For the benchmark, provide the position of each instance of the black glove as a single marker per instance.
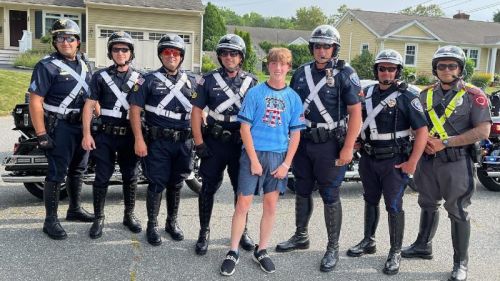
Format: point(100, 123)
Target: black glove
point(202, 151)
point(45, 141)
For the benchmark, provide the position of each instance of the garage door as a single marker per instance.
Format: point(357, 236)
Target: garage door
point(145, 43)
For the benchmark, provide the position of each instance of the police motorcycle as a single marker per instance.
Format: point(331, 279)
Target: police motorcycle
point(352, 174)
point(488, 168)
point(28, 164)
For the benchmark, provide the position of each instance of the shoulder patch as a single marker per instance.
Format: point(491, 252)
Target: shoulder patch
point(480, 100)
point(415, 103)
point(355, 79)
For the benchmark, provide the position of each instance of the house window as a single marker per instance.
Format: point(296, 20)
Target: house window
point(472, 54)
point(51, 18)
point(187, 38)
point(107, 32)
point(136, 34)
point(411, 55)
point(155, 36)
point(364, 47)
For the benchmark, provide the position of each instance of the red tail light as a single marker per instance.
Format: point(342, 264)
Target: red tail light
point(495, 128)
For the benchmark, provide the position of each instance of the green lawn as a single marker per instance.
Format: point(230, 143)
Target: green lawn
point(12, 88)
point(263, 77)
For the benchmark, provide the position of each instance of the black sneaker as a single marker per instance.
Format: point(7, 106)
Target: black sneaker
point(229, 263)
point(262, 258)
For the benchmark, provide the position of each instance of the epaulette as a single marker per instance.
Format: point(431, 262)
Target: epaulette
point(244, 74)
point(473, 90)
point(341, 64)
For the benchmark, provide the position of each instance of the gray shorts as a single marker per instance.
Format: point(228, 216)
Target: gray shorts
point(249, 184)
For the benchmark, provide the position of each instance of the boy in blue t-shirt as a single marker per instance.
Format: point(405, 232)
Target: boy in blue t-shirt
point(271, 119)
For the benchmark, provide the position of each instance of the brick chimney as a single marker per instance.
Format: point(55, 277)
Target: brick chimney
point(461, 16)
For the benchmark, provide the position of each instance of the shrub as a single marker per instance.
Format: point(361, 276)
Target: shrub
point(469, 68)
point(363, 64)
point(207, 64)
point(481, 79)
point(423, 79)
point(30, 58)
point(409, 74)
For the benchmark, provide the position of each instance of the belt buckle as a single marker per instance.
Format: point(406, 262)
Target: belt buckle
point(176, 135)
point(122, 131)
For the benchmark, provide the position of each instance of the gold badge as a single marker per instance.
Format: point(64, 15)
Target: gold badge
point(194, 95)
point(136, 88)
point(391, 103)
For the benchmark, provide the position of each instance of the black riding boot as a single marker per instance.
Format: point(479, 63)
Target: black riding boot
point(51, 225)
point(205, 206)
point(129, 218)
point(367, 245)
point(303, 212)
point(422, 247)
point(396, 231)
point(75, 211)
point(246, 241)
point(333, 220)
point(172, 226)
point(460, 234)
point(153, 201)
point(99, 199)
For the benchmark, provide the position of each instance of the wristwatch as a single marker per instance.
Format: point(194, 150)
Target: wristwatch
point(446, 143)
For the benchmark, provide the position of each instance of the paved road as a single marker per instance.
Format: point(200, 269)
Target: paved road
point(27, 254)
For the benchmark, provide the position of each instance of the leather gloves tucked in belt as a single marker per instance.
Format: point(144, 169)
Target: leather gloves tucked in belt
point(202, 151)
point(45, 141)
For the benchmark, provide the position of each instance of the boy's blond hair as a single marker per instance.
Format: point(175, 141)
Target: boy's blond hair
point(282, 55)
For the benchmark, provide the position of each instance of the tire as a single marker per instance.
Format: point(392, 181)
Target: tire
point(36, 189)
point(492, 184)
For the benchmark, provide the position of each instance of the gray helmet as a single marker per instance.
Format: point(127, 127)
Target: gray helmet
point(449, 52)
point(325, 34)
point(64, 27)
point(122, 38)
point(231, 42)
point(171, 41)
point(389, 56)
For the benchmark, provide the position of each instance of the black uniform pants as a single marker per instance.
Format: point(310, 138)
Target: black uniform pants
point(111, 148)
point(379, 177)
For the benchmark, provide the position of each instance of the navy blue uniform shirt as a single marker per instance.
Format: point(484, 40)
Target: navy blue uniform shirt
point(209, 93)
point(151, 91)
point(406, 113)
point(346, 85)
point(55, 84)
point(101, 92)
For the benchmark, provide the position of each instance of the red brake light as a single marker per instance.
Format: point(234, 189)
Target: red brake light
point(495, 128)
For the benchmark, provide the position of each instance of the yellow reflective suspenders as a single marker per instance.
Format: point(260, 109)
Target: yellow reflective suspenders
point(437, 123)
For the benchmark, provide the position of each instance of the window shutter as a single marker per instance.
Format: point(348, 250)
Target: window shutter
point(38, 24)
point(83, 28)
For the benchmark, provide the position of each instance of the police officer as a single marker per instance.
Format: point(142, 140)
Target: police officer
point(113, 135)
point(330, 93)
point(165, 95)
point(458, 116)
point(390, 112)
point(218, 144)
point(58, 89)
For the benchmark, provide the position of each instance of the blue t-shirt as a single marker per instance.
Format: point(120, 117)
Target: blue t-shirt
point(272, 114)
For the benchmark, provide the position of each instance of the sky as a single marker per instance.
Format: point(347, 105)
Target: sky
point(481, 10)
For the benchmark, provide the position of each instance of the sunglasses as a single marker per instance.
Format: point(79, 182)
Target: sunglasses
point(443, 66)
point(123, 50)
point(69, 39)
point(171, 52)
point(322, 46)
point(233, 54)
point(387, 68)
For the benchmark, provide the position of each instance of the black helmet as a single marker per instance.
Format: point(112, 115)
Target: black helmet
point(389, 56)
point(231, 42)
point(325, 34)
point(64, 27)
point(172, 41)
point(449, 52)
point(122, 38)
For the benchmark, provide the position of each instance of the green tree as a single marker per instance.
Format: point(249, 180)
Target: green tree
point(213, 27)
point(333, 19)
point(469, 69)
point(230, 16)
point(300, 55)
point(309, 18)
point(363, 64)
point(250, 55)
point(496, 16)
point(432, 10)
point(253, 19)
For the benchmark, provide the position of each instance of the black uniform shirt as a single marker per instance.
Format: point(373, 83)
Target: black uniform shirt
point(55, 84)
point(470, 110)
point(151, 91)
point(346, 85)
point(101, 92)
point(209, 93)
point(405, 113)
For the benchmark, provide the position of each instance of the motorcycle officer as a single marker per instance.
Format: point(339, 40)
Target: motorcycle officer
point(165, 95)
point(110, 88)
point(330, 91)
point(458, 115)
point(58, 89)
point(390, 112)
point(218, 144)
